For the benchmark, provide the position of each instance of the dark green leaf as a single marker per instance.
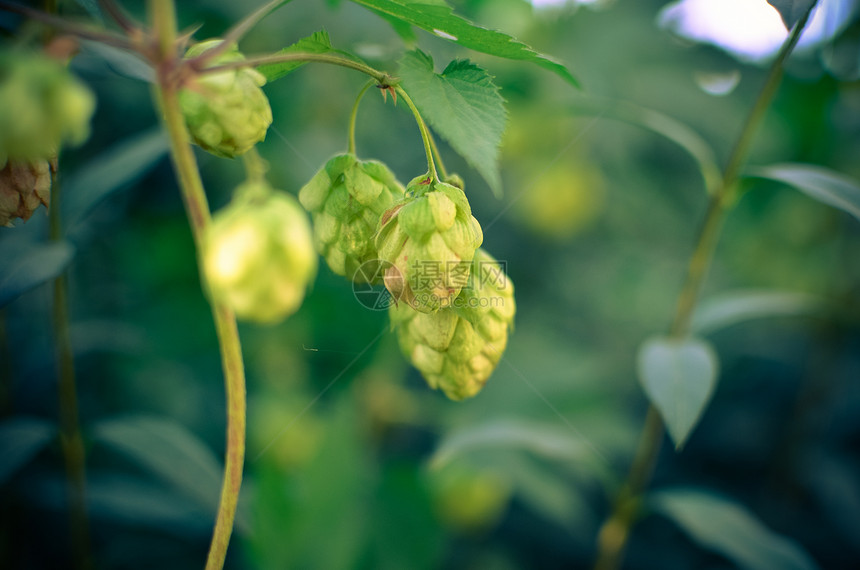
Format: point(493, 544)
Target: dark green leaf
point(663, 125)
point(23, 268)
point(132, 501)
point(92, 7)
point(463, 105)
point(122, 62)
point(824, 185)
point(117, 167)
point(318, 42)
point(679, 378)
point(167, 450)
point(548, 441)
point(21, 438)
point(735, 307)
point(437, 18)
point(727, 527)
point(791, 10)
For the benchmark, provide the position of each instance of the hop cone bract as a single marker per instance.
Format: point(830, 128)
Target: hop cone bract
point(429, 240)
point(226, 112)
point(24, 186)
point(457, 348)
point(346, 198)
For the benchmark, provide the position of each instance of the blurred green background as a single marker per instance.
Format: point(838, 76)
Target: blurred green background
point(352, 461)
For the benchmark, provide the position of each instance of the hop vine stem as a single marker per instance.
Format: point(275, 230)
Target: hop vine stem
point(613, 536)
point(163, 15)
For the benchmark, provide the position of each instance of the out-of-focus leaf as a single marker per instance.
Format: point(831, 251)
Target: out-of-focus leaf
point(117, 167)
point(727, 527)
point(548, 441)
point(463, 104)
point(735, 307)
point(791, 10)
point(92, 7)
point(663, 125)
point(318, 42)
point(23, 268)
point(167, 450)
point(679, 378)
point(822, 184)
point(122, 62)
point(436, 17)
point(21, 438)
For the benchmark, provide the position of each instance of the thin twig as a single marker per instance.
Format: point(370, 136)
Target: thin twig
point(613, 536)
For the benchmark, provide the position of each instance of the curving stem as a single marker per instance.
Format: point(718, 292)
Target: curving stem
point(165, 94)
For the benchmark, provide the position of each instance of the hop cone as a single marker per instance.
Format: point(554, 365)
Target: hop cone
point(24, 186)
point(258, 254)
point(458, 347)
point(429, 240)
point(346, 198)
point(226, 112)
point(42, 106)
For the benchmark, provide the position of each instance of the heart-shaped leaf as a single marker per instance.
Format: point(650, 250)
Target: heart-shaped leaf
point(679, 376)
point(791, 10)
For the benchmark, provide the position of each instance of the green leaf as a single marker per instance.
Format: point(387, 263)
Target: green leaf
point(167, 450)
point(791, 10)
point(112, 170)
point(122, 62)
point(819, 183)
point(437, 18)
point(92, 7)
point(542, 440)
point(728, 528)
point(679, 378)
point(463, 105)
point(23, 268)
point(661, 124)
point(736, 307)
point(21, 438)
point(318, 42)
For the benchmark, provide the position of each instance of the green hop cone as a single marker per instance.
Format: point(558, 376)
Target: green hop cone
point(258, 254)
point(226, 112)
point(457, 348)
point(428, 240)
point(42, 106)
point(346, 198)
point(24, 186)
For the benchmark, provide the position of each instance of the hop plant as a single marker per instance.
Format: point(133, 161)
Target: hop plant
point(429, 240)
point(258, 254)
point(347, 198)
point(24, 186)
point(457, 348)
point(43, 106)
point(226, 111)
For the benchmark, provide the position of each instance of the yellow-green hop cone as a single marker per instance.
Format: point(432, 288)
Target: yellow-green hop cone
point(457, 348)
point(346, 198)
point(226, 112)
point(429, 240)
point(24, 186)
point(258, 254)
point(42, 106)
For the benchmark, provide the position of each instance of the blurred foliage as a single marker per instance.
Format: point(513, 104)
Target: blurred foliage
point(353, 462)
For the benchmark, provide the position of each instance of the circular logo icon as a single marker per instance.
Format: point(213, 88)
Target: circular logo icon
point(368, 288)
